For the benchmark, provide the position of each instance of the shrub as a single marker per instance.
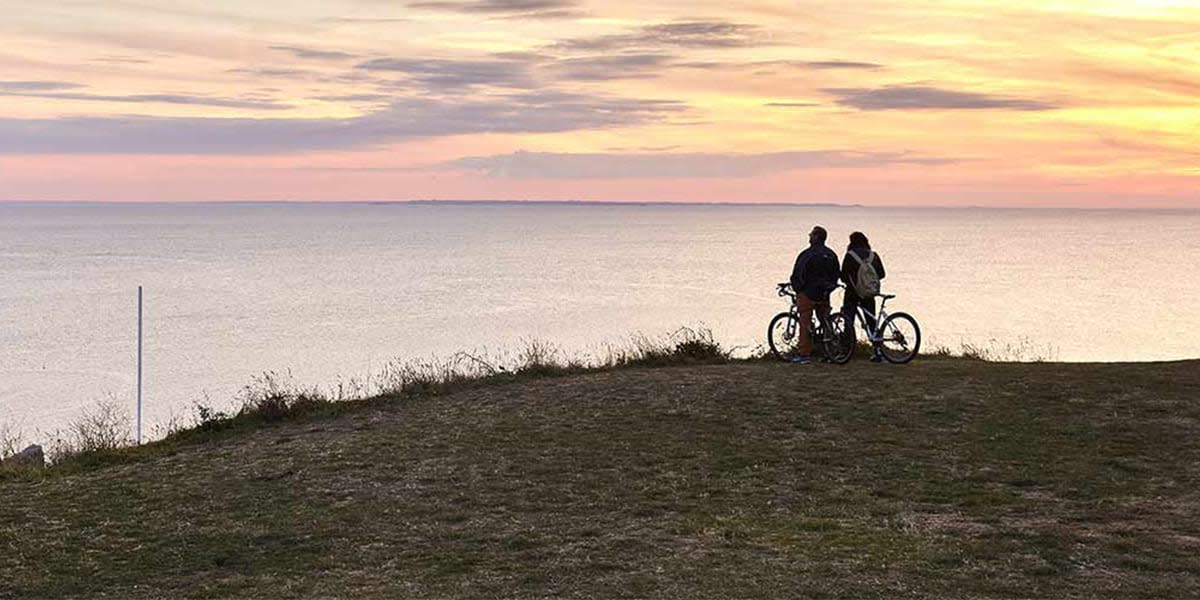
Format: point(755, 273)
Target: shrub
point(10, 440)
point(207, 418)
point(271, 397)
point(697, 345)
point(539, 357)
point(103, 427)
point(352, 388)
point(1023, 350)
point(686, 345)
point(432, 375)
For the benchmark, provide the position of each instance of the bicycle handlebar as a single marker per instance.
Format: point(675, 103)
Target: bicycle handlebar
point(785, 288)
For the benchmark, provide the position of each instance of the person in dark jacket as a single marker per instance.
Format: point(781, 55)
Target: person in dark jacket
point(857, 253)
point(814, 276)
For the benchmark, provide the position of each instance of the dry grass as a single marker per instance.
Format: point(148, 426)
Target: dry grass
point(943, 478)
point(103, 427)
point(1022, 350)
point(10, 440)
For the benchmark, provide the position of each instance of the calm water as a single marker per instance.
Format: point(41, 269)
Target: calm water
point(332, 291)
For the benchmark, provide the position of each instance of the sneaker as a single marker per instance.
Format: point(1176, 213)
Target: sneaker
point(802, 360)
point(876, 358)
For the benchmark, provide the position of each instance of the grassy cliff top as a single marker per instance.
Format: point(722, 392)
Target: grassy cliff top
point(947, 478)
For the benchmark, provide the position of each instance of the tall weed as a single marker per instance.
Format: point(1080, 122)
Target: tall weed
point(686, 345)
point(104, 426)
point(272, 396)
point(10, 440)
point(1022, 350)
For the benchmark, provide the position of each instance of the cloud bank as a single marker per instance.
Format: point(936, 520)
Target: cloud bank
point(37, 86)
point(184, 99)
point(403, 119)
point(919, 97)
point(680, 34)
point(313, 54)
point(455, 74)
point(551, 165)
point(525, 9)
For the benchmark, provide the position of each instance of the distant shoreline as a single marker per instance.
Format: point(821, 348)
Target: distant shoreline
point(600, 203)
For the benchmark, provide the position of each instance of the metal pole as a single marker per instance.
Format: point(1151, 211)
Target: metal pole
point(139, 370)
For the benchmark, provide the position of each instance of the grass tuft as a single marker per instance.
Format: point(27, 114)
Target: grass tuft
point(100, 429)
point(1023, 350)
point(272, 397)
point(10, 440)
point(685, 346)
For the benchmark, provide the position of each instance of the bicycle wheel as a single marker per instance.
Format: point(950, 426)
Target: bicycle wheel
point(783, 336)
point(850, 340)
point(834, 344)
point(900, 338)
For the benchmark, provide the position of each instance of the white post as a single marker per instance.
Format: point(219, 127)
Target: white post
point(139, 369)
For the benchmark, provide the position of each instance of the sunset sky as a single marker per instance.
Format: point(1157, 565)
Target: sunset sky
point(920, 102)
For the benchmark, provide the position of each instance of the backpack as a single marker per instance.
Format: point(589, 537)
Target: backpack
point(866, 281)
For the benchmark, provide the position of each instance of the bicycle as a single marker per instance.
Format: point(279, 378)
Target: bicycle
point(829, 342)
point(897, 337)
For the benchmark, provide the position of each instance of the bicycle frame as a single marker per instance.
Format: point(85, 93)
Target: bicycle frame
point(891, 338)
point(879, 317)
point(822, 322)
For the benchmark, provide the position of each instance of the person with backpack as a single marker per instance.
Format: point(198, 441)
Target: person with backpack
point(862, 270)
point(814, 276)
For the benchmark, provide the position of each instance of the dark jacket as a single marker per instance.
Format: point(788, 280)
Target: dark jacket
point(815, 273)
point(850, 270)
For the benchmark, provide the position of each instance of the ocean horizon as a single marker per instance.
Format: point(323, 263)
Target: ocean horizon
point(569, 202)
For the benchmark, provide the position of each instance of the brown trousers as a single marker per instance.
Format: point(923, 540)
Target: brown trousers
point(806, 306)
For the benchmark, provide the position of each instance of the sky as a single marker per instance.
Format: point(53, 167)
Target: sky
point(1090, 103)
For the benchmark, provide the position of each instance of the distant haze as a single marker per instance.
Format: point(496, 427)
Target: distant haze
point(924, 102)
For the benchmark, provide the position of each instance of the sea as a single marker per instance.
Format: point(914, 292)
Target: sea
point(328, 293)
